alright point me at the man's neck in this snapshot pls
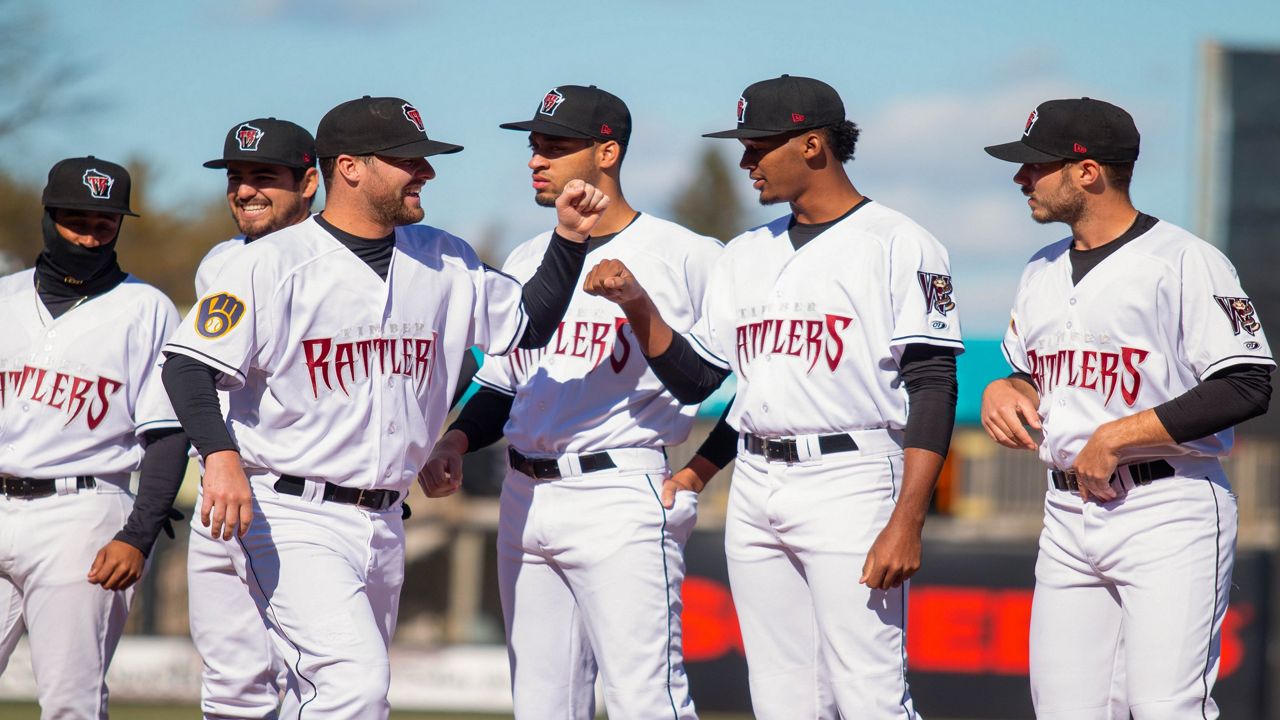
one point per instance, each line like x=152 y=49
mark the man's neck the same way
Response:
x=352 y=220
x=1102 y=224
x=617 y=216
x=825 y=201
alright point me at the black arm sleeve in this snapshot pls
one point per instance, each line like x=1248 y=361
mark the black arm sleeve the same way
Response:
x=164 y=461
x=469 y=369
x=929 y=372
x=721 y=445
x=192 y=388
x=689 y=378
x=547 y=294
x=1226 y=398
x=483 y=418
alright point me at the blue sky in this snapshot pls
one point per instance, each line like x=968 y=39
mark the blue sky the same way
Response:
x=930 y=83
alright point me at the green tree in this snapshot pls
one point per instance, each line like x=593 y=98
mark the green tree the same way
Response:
x=709 y=205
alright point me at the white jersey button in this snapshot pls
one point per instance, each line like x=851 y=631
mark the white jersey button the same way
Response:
x=391 y=429
x=1068 y=324
x=1072 y=301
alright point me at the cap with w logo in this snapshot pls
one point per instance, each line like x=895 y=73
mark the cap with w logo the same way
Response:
x=1073 y=129
x=88 y=183
x=270 y=141
x=575 y=111
x=782 y=104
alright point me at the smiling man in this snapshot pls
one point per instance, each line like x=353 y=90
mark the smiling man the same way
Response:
x=341 y=340
x=271 y=183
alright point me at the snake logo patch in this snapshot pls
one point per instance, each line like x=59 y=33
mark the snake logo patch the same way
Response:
x=551 y=101
x=412 y=115
x=937 y=292
x=1241 y=314
x=248 y=137
x=99 y=184
x=218 y=315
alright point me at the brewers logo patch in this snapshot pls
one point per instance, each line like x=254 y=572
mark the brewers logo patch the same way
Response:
x=99 y=183
x=937 y=292
x=248 y=137
x=218 y=314
x=1241 y=314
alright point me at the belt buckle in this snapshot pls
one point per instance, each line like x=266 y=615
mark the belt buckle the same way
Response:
x=781 y=449
x=360 y=498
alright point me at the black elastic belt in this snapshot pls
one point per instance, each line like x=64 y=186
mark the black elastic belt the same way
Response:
x=29 y=488
x=1142 y=474
x=786 y=449
x=549 y=468
x=371 y=499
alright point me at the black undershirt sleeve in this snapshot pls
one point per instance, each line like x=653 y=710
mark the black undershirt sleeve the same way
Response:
x=164 y=461
x=721 y=445
x=929 y=373
x=1226 y=398
x=547 y=294
x=483 y=418
x=192 y=388
x=689 y=378
x=468 y=370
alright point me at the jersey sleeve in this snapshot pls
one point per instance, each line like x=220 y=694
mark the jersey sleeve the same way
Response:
x=496 y=374
x=1219 y=324
x=705 y=335
x=498 y=318
x=230 y=326
x=702 y=256
x=152 y=409
x=922 y=296
x=1014 y=349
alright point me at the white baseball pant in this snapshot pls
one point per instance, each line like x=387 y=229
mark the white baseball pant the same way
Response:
x=590 y=569
x=46 y=548
x=819 y=645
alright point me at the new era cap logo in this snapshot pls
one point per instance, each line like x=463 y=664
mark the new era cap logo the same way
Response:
x=742 y=109
x=550 y=102
x=797 y=118
x=99 y=184
x=605 y=129
x=248 y=136
x=412 y=115
x=1077 y=147
x=1031 y=121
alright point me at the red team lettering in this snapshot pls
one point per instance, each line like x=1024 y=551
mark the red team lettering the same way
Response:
x=345 y=363
x=1095 y=370
x=69 y=393
x=583 y=339
x=809 y=339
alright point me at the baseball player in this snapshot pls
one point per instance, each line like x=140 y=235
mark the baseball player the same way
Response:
x=271 y=183
x=341 y=338
x=841 y=324
x=1134 y=352
x=590 y=561
x=81 y=407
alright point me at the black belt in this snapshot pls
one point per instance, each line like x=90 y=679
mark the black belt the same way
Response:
x=30 y=488
x=786 y=449
x=1142 y=474
x=549 y=468
x=371 y=499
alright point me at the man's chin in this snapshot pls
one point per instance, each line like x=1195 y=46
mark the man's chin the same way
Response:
x=545 y=199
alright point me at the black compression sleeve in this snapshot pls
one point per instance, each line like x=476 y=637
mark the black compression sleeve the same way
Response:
x=192 y=388
x=929 y=372
x=164 y=461
x=689 y=378
x=468 y=371
x=1226 y=398
x=721 y=445
x=483 y=418
x=547 y=294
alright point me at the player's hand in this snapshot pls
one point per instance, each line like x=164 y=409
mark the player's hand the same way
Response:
x=228 y=502
x=442 y=475
x=685 y=479
x=1004 y=411
x=894 y=556
x=611 y=280
x=578 y=209
x=117 y=566
x=1094 y=466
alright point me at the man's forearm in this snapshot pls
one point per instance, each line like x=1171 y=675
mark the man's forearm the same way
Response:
x=651 y=330
x=1142 y=429
x=919 y=476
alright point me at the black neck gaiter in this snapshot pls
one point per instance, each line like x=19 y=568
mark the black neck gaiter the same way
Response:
x=65 y=270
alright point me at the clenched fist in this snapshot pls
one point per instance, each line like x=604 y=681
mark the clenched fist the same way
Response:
x=578 y=209
x=611 y=280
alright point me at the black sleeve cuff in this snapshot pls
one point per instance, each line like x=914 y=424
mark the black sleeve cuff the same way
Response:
x=547 y=295
x=721 y=445
x=688 y=377
x=164 y=462
x=483 y=418
x=929 y=373
x=1225 y=399
x=192 y=388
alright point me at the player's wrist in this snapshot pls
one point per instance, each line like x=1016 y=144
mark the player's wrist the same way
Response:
x=455 y=441
x=563 y=232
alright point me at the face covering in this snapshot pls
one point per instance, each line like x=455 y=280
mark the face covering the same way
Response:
x=66 y=270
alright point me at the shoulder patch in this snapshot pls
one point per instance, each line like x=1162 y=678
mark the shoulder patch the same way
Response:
x=937 y=292
x=218 y=314
x=1240 y=314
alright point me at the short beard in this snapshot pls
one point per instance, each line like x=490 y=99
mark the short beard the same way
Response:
x=545 y=200
x=391 y=211
x=1069 y=208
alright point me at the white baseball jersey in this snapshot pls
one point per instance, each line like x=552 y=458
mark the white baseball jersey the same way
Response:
x=213 y=262
x=590 y=388
x=339 y=374
x=77 y=391
x=1143 y=327
x=815 y=334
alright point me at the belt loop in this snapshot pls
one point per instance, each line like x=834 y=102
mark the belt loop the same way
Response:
x=312 y=491
x=66 y=486
x=569 y=465
x=807 y=448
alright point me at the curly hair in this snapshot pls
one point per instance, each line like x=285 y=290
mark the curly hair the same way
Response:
x=842 y=137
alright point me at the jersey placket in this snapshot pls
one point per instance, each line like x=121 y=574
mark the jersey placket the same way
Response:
x=386 y=444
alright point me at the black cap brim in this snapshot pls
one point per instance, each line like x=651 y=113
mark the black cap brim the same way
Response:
x=221 y=163
x=1020 y=152
x=419 y=148
x=744 y=133
x=546 y=127
x=88 y=207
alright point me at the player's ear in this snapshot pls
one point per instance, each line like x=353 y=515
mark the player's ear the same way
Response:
x=608 y=154
x=812 y=145
x=349 y=167
x=1088 y=173
x=310 y=183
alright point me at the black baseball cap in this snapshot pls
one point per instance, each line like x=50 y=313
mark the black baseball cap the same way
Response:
x=268 y=140
x=1073 y=129
x=782 y=104
x=87 y=183
x=387 y=126
x=579 y=112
